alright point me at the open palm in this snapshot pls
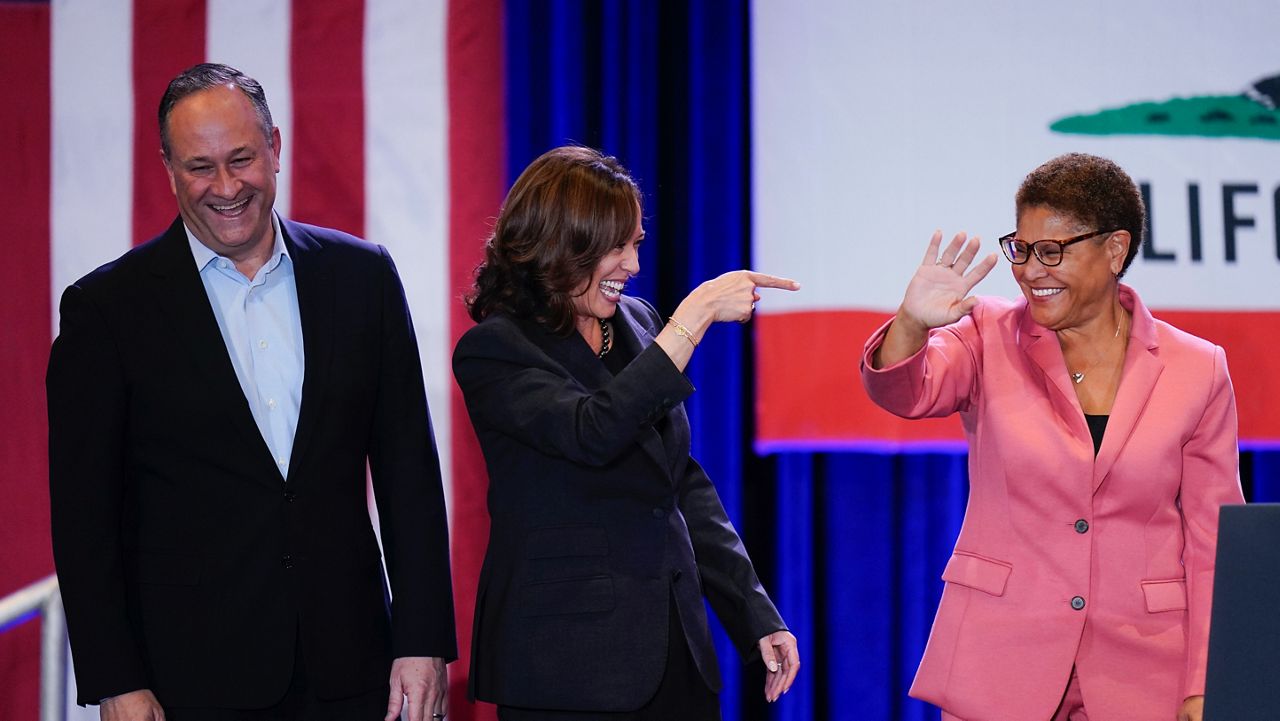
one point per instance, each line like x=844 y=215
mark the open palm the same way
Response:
x=938 y=293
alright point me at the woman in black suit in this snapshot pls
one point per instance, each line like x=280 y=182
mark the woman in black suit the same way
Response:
x=605 y=534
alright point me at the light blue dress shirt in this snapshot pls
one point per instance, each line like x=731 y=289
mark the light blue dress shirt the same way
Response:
x=262 y=330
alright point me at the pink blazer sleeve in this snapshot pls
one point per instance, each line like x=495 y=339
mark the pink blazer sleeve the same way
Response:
x=940 y=379
x=1210 y=478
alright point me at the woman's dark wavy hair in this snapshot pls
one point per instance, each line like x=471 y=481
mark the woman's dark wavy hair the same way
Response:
x=1092 y=190
x=566 y=211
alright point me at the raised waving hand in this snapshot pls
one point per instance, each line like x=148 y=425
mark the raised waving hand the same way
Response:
x=937 y=295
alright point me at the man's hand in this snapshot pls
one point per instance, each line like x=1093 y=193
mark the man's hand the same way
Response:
x=424 y=682
x=1192 y=709
x=781 y=660
x=138 y=705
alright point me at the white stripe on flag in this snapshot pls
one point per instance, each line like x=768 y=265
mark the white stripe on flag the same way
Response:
x=91 y=198
x=253 y=36
x=406 y=180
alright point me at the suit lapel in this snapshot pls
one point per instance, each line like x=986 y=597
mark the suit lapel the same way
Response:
x=1142 y=368
x=575 y=355
x=184 y=304
x=1041 y=345
x=316 y=298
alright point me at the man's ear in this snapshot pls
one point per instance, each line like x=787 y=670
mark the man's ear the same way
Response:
x=173 y=185
x=275 y=148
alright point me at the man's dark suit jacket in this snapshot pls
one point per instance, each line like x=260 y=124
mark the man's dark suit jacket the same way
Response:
x=188 y=565
x=599 y=518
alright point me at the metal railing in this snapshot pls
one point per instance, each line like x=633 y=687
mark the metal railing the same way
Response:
x=42 y=598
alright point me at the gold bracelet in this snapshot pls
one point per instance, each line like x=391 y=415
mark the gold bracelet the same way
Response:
x=681 y=331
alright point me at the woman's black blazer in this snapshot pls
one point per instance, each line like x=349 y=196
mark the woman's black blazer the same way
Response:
x=599 y=518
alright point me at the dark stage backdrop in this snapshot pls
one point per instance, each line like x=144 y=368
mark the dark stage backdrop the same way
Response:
x=850 y=545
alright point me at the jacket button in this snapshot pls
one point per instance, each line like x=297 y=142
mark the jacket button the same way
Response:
x=1077 y=602
x=290 y=496
x=659 y=513
x=676 y=574
x=287 y=561
x=1082 y=526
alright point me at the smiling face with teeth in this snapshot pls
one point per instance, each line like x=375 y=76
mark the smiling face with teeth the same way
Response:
x=222 y=170
x=1083 y=287
x=598 y=297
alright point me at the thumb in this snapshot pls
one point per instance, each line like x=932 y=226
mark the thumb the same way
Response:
x=396 y=700
x=767 y=654
x=967 y=305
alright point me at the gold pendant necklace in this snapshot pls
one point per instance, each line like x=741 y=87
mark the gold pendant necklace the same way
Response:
x=1078 y=376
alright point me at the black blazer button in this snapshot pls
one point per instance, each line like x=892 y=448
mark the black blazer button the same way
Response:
x=290 y=496
x=287 y=561
x=659 y=513
x=1082 y=526
x=1077 y=602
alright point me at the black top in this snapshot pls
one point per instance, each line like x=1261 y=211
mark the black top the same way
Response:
x=1097 y=426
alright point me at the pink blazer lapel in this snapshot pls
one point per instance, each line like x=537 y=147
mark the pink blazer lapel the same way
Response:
x=1142 y=368
x=1041 y=345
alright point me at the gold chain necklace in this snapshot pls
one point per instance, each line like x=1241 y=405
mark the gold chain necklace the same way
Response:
x=1078 y=377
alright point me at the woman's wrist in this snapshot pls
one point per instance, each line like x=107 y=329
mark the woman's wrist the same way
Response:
x=682 y=331
x=694 y=318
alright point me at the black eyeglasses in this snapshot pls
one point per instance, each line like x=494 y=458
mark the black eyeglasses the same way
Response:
x=1048 y=252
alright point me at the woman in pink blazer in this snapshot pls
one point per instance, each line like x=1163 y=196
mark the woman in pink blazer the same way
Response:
x=1102 y=442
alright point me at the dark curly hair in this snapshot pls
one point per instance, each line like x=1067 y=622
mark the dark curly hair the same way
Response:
x=1090 y=189
x=566 y=211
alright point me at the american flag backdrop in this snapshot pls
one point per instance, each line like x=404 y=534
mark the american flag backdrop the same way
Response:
x=392 y=125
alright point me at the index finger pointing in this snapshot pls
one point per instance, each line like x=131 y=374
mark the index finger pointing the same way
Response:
x=764 y=280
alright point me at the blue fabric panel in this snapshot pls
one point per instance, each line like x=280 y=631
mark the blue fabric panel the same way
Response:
x=1265 y=478
x=794 y=593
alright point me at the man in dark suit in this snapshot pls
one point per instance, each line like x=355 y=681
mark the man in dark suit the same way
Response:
x=215 y=396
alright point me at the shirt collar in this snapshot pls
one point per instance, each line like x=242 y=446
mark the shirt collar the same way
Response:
x=204 y=255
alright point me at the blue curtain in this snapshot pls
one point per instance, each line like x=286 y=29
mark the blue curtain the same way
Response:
x=850 y=545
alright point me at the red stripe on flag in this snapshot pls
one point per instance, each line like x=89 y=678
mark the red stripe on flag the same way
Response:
x=803 y=404
x=477 y=177
x=24 y=316
x=168 y=37
x=326 y=57
x=1248 y=337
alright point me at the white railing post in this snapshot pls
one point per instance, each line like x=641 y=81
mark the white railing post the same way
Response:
x=53 y=660
x=43 y=596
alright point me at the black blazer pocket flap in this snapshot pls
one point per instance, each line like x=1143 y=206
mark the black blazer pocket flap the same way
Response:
x=168 y=569
x=978 y=572
x=565 y=541
x=593 y=594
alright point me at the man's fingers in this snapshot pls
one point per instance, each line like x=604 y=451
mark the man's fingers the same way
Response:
x=764 y=280
x=395 y=702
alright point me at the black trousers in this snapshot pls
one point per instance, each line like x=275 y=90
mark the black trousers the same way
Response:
x=299 y=704
x=682 y=694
